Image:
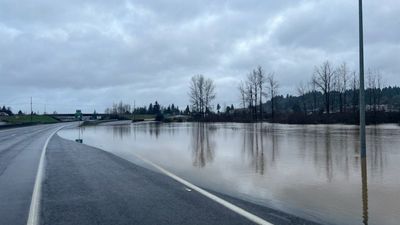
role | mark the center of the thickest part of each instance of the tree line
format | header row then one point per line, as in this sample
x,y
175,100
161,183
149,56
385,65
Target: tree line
x,y
155,108
330,95
339,89
8,111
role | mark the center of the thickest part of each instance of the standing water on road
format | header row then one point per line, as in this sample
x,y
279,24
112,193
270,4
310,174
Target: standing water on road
x,y
312,171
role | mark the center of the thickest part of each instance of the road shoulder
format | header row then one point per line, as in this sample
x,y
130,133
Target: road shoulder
x,y
85,185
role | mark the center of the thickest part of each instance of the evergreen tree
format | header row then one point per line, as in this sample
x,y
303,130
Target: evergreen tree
x,y
187,110
156,108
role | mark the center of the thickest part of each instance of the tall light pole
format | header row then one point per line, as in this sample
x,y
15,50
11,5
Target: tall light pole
x,y
362,91
364,182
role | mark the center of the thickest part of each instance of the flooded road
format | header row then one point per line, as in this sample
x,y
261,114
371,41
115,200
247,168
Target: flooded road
x,y
312,171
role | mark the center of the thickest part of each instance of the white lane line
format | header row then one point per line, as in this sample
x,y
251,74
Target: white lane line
x,y
34,216
207,194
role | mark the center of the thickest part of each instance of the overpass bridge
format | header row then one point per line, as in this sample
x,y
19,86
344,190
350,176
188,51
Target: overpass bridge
x,y
66,117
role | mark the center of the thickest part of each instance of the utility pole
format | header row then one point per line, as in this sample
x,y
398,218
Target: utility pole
x,y
31,109
362,91
133,111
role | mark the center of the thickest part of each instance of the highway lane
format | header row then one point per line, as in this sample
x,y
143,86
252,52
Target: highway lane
x,y
20,150
85,185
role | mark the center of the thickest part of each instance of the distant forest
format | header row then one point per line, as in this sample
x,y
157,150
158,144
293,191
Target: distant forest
x,y
383,106
329,96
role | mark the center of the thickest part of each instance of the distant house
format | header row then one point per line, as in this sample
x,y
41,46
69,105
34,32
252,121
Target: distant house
x,y
4,114
381,108
180,118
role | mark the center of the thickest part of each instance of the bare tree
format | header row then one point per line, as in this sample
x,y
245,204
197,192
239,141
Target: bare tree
x,y
372,86
194,94
249,95
323,79
375,84
354,85
242,89
302,91
252,91
335,91
344,77
272,86
201,94
107,111
260,82
374,79
209,94
313,86
380,84
119,108
252,82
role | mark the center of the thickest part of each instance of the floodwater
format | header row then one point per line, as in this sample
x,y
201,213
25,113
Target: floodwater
x,y
312,171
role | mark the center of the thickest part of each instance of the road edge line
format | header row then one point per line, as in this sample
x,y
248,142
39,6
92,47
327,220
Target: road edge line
x,y
232,207
33,217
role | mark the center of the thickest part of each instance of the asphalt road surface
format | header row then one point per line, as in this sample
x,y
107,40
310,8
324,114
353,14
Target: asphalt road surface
x,y
20,150
85,185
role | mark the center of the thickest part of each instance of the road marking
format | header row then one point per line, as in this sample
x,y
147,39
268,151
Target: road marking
x,y
34,216
188,189
207,194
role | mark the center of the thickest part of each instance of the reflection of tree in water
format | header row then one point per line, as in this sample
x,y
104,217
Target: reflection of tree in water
x,y
336,150
154,129
255,139
202,144
322,148
328,154
121,131
376,156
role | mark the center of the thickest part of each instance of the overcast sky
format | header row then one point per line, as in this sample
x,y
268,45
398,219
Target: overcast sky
x,y
71,54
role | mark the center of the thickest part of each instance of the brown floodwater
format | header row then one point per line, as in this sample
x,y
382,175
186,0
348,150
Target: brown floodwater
x,y
312,171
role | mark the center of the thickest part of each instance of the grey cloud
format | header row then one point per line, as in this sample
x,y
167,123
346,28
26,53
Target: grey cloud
x,y
97,52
